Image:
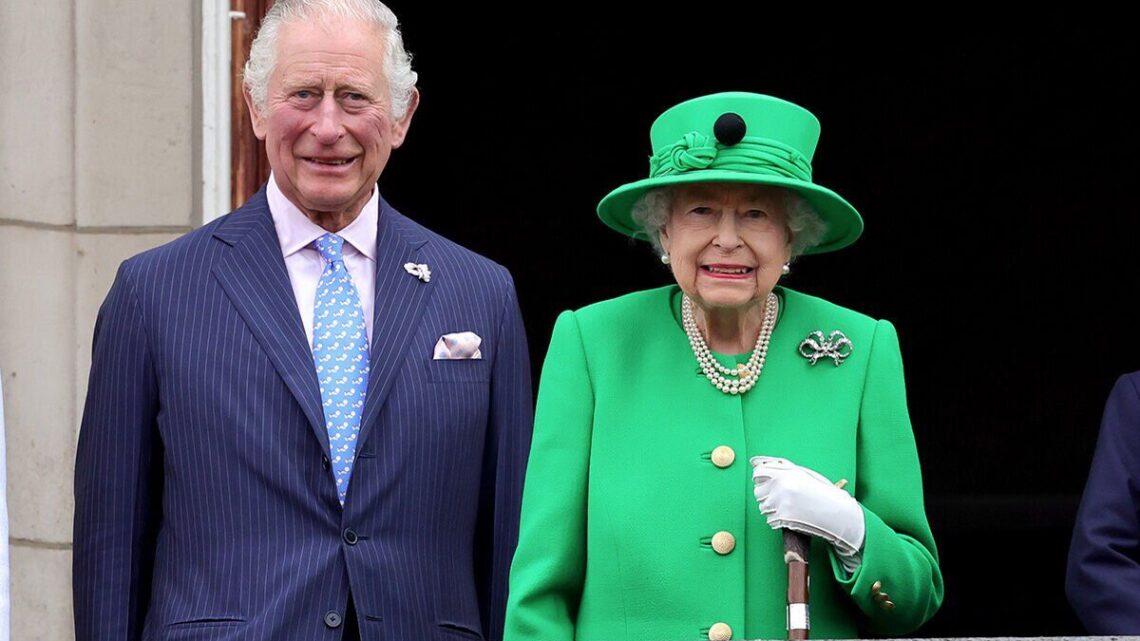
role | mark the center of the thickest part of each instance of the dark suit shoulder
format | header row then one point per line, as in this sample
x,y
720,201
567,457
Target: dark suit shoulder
x,y
184,264
191,247
446,253
1129,382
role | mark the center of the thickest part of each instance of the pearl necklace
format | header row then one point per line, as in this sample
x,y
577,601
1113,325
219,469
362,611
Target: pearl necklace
x,y
746,374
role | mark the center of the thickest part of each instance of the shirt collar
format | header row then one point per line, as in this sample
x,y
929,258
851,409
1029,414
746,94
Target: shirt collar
x,y
295,231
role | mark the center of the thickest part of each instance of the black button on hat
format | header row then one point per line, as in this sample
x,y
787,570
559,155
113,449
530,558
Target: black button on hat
x,y
729,128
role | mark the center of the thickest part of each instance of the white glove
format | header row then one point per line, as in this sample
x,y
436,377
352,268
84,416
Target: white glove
x,y
799,499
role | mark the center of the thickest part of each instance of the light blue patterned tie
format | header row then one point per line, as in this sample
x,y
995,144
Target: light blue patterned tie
x,y
340,351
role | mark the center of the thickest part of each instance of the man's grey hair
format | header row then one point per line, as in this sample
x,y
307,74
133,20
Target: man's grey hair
x,y
397,61
652,209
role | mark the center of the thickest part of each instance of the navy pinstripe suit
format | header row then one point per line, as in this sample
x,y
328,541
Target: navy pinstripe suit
x,y
1103,578
204,506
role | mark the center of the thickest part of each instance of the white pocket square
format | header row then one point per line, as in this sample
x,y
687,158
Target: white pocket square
x,y
458,346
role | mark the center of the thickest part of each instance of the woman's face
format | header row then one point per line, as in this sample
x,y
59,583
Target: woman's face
x,y
727,243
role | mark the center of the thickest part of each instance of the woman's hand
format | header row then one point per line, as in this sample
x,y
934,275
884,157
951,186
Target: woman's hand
x,y
800,499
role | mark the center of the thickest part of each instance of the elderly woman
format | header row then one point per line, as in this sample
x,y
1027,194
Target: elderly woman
x,y
640,514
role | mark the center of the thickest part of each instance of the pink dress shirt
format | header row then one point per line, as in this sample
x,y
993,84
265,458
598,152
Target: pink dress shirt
x,y
304,263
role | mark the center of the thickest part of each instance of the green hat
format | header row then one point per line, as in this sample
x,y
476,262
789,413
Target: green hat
x,y
737,137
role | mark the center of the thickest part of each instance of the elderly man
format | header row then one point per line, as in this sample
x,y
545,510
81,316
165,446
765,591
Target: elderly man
x,y
309,419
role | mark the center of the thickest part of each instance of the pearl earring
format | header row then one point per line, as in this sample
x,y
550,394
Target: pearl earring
x,y
665,258
786,269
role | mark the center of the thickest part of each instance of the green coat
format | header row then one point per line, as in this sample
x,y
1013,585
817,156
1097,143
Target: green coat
x,y
622,497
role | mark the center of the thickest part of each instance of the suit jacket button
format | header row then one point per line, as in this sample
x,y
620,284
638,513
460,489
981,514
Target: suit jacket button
x,y
723,542
350,536
723,456
332,619
720,632
325,462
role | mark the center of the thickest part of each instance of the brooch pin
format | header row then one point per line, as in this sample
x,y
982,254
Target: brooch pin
x,y
419,270
837,347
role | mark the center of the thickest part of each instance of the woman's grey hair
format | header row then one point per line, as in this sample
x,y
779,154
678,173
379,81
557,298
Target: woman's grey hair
x,y
652,209
397,61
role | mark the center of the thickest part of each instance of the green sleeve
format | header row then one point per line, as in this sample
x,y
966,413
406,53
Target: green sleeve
x,y
898,551
550,562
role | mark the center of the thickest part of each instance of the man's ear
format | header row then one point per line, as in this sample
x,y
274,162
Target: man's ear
x,y
400,128
255,116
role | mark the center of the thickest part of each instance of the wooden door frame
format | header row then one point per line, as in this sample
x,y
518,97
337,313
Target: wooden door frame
x,y
249,167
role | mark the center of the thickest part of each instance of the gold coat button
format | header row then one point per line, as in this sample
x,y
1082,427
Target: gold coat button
x,y
888,605
723,456
720,632
723,542
876,587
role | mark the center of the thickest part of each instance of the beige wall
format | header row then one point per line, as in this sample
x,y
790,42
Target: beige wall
x,y
97,162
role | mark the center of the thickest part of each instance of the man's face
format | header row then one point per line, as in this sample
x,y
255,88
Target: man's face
x,y
327,125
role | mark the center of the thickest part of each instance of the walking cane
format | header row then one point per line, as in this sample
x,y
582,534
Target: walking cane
x,y
796,547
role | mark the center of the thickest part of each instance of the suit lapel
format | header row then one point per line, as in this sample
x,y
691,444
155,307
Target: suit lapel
x,y
400,302
254,277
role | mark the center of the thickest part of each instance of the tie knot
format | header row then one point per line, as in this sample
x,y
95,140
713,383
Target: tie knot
x,y
331,246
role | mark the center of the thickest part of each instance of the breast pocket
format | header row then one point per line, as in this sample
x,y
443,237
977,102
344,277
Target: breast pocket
x,y
467,370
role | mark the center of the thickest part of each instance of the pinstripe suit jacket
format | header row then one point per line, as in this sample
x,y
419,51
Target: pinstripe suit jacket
x,y
1103,578
204,506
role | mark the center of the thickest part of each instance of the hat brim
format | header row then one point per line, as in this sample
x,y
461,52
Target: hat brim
x,y
844,225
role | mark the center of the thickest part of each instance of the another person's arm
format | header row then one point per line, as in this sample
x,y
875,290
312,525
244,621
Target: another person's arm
x,y
1103,580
